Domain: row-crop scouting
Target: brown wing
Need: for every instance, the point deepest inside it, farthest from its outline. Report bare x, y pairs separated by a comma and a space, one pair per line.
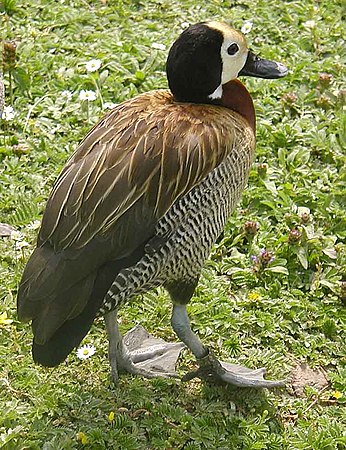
140, 158
124, 176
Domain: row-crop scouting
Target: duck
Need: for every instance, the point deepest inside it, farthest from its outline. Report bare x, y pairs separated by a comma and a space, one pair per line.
140, 204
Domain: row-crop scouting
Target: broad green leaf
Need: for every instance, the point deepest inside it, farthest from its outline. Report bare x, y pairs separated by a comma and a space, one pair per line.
140, 75
331, 252
270, 185
22, 78
277, 269
302, 256
282, 157
103, 75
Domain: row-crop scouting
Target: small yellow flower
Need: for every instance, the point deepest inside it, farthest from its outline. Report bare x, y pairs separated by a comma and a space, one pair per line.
111, 416
82, 437
337, 394
4, 320
254, 296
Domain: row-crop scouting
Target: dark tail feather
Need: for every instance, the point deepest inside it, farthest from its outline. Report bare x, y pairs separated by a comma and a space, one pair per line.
71, 333
65, 339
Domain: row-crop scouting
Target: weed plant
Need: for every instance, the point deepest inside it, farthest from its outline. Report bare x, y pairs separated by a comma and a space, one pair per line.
274, 290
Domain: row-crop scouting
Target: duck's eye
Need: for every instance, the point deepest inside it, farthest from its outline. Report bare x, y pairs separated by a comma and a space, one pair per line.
232, 49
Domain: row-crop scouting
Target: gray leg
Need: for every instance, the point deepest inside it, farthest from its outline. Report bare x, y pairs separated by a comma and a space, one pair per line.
116, 349
181, 325
139, 353
210, 368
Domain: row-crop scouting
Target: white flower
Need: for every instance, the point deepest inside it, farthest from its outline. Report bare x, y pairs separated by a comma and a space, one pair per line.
18, 238
93, 65
66, 94
109, 105
247, 27
158, 46
8, 113
34, 225
63, 72
21, 244
87, 95
16, 235
184, 25
301, 210
309, 24
85, 351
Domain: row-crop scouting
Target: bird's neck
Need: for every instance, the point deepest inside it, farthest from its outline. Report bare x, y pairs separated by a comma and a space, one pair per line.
236, 97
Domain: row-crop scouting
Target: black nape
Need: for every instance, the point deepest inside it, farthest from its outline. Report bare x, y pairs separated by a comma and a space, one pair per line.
194, 64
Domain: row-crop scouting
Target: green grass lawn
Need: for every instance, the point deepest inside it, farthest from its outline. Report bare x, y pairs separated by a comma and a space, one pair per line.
282, 314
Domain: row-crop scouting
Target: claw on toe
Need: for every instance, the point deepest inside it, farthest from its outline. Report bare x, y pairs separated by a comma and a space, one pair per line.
214, 371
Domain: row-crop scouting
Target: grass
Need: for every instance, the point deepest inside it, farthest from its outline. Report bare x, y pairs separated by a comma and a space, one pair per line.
279, 314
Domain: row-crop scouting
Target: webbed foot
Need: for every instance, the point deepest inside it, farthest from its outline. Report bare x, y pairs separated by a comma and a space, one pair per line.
212, 370
148, 356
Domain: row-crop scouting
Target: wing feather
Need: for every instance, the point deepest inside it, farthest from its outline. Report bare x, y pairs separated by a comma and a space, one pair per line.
141, 157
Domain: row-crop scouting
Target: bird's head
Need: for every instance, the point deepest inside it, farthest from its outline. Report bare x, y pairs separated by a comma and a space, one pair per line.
208, 55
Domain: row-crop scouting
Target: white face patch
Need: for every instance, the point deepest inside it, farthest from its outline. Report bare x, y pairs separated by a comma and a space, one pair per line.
231, 64
217, 93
